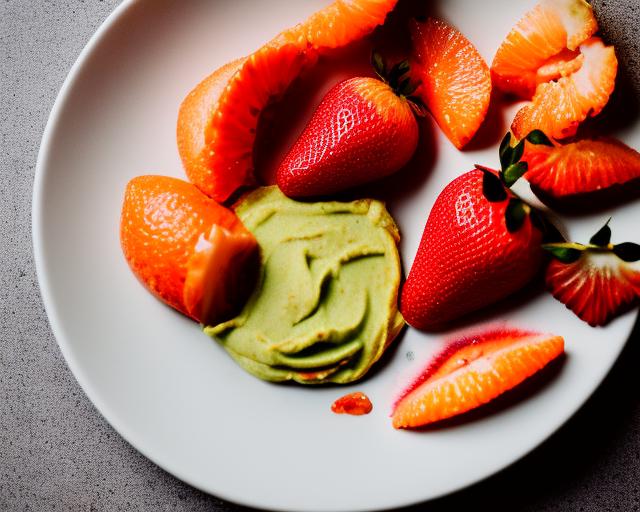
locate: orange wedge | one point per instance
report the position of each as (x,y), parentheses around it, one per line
(189,251)
(542,45)
(473,371)
(558,107)
(456,84)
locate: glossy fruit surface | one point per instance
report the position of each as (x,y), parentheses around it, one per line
(362,130)
(468,258)
(344,21)
(473,371)
(541,46)
(225,162)
(456,83)
(195,112)
(558,107)
(580,167)
(597,281)
(181,245)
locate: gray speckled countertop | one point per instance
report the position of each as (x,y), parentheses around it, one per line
(58,453)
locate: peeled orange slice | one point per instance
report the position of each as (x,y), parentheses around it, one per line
(546,36)
(456,84)
(558,107)
(473,371)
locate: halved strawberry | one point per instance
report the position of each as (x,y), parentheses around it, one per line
(559,106)
(471,372)
(597,281)
(189,251)
(579,167)
(541,46)
(224,162)
(456,83)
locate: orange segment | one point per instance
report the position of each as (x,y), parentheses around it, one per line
(474,374)
(580,167)
(231,130)
(232,99)
(456,84)
(558,107)
(549,29)
(167,230)
(345,21)
(195,112)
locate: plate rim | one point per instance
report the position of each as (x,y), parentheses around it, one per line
(112,419)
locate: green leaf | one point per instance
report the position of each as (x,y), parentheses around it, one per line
(492,187)
(539,137)
(514,172)
(518,151)
(378,65)
(563,253)
(627,251)
(515,214)
(603,236)
(505,151)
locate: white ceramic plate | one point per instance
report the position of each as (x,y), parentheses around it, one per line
(172,392)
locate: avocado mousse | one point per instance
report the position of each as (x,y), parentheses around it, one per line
(325,306)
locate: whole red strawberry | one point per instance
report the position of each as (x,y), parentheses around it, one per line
(479,245)
(363,129)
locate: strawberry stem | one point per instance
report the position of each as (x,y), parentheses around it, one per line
(397,79)
(568,252)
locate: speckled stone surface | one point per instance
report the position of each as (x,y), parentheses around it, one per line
(58,453)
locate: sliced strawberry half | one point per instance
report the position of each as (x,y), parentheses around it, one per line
(580,167)
(597,281)
(473,371)
(456,83)
(541,46)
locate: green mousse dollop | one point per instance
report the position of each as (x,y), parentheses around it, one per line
(325,307)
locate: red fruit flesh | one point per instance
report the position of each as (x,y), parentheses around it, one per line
(361,131)
(597,287)
(467,259)
(580,167)
(456,83)
(473,371)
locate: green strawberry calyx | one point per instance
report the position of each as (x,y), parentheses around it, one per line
(512,169)
(397,78)
(570,252)
(496,186)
